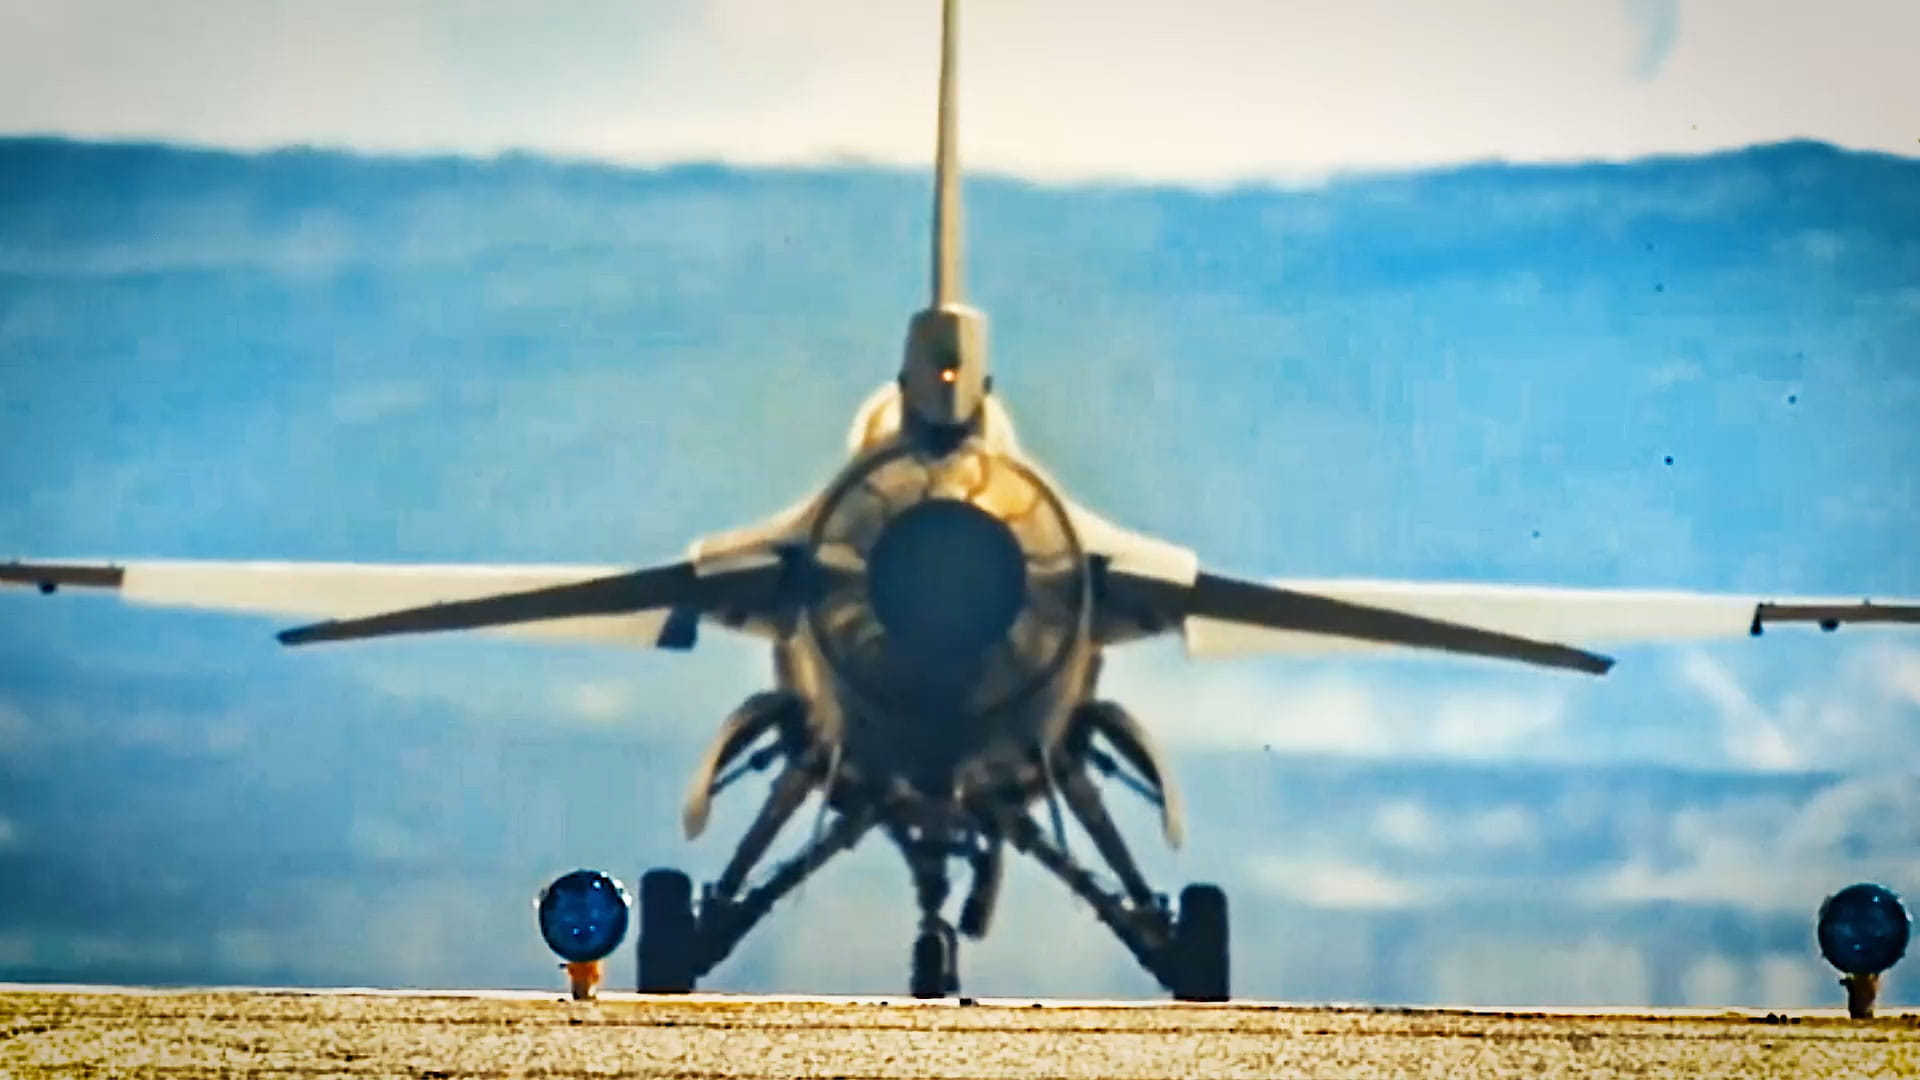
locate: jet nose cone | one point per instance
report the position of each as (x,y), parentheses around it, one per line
(947,578)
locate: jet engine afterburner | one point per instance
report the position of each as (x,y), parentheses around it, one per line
(946,582)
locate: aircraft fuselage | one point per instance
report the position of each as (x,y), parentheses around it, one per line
(946,633)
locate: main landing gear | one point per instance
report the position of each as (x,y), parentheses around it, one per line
(680,942)
(1185,949)
(669,934)
(1198,949)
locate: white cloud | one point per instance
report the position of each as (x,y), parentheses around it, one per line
(1791,980)
(424,949)
(1332,884)
(600,701)
(1749,737)
(1715,978)
(1492,971)
(1324,714)
(1475,724)
(1412,826)
(1859,713)
(1406,824)
(1367,709)
(1899,673)
(1873,816)
(1504,827)
(533,688)
(1772,854)
(1067,88)
(1773,981)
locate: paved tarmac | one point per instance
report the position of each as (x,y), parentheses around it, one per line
(100,1032)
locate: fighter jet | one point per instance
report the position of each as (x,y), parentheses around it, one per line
(938,613)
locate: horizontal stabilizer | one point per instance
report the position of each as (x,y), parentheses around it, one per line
(50,576)
(1212,598)
(676,585)
(1598,617)
(346,591)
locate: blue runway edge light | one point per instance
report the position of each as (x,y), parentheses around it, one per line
(1863,929)
(583,915)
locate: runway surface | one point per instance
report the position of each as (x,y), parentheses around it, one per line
(100,1031)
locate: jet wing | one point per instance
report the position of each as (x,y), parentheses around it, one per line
(1586,616)
(654,607)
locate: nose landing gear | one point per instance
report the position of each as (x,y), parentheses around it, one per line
(936,951)
(936,963)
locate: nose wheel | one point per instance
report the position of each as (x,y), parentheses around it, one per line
(936,963)
(936,951)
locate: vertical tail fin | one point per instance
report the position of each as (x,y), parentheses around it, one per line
(943,376)
(948,264)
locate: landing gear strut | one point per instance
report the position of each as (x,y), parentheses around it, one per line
(936,950)
(680,943)
(1186,952)
(1185,949)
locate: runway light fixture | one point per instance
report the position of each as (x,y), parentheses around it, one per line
(583,917)
(1862,931)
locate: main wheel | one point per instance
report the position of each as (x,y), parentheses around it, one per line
(668,934)
(934,971)
(1200,945)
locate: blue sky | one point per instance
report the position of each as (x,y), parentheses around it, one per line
(1472,373)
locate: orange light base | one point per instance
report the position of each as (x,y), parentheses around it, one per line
(1861,992)
(584,979)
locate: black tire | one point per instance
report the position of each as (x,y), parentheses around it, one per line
(933,975)
(1200,966)
(668,935)
(974,916)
